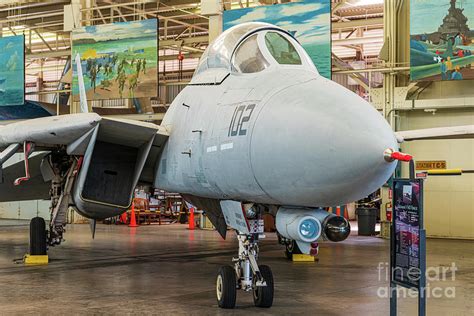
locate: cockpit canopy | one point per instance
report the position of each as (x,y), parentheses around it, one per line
(249,48)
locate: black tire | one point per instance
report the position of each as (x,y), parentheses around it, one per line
(226,287)
(291,249)
(263,295)
(38,237)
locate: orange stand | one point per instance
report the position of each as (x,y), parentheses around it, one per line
(346,213)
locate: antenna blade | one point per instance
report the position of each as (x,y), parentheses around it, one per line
(82,87)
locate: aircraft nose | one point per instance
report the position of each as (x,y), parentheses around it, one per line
(319,144)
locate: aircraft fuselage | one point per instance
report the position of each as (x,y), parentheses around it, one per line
(286,137)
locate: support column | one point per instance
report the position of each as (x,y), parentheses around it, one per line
(39,81)
(73,14)
(395,53)
(213,9)
(390,57)
(215,26)
(87,16)
(403,41)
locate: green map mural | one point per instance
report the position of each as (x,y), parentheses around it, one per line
(118,60)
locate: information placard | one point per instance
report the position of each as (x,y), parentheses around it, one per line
(407,225)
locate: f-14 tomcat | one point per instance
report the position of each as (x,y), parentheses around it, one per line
(257,130)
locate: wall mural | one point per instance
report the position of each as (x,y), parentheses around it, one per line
(118,60)
(12,70)
(441,39)
(309,21)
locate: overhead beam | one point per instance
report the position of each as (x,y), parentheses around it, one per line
(359,81)
(356,23)
(115,5)
(337,6)
(175,57)
(31,16)
(184,41)
(11,30)
(340,18)
(183,23)
(117,9)
(53,54)
(192,49)
(189,9)
(146,14)
(172,7)
(101,17)
(382,69)
(42,39)
(358,40)
(350,34)
(120,14)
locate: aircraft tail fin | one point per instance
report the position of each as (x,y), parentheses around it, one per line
(82,88)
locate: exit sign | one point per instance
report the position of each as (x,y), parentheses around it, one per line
(430,164)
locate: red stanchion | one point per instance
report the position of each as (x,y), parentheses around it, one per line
(191,218)
(123,218)
(133,220)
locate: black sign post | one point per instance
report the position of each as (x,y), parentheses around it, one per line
(408,242)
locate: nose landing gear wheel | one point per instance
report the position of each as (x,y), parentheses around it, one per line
(263,295)
(226,287)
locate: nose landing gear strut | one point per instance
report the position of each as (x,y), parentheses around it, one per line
(246,275)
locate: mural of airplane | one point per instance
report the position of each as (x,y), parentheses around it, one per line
(257,131)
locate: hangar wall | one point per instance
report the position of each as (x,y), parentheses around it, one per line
(449,200)
(23,209)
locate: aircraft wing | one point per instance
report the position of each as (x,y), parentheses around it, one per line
(72,132)
(454,132)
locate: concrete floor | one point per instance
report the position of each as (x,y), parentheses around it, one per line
(170,270)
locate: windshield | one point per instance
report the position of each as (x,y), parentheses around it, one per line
(248,58)
(281,49)
(218,54)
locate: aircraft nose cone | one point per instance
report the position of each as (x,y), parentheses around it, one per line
(319,144)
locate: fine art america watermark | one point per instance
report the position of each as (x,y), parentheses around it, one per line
(433,274)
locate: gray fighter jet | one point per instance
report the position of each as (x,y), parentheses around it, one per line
(257,130)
